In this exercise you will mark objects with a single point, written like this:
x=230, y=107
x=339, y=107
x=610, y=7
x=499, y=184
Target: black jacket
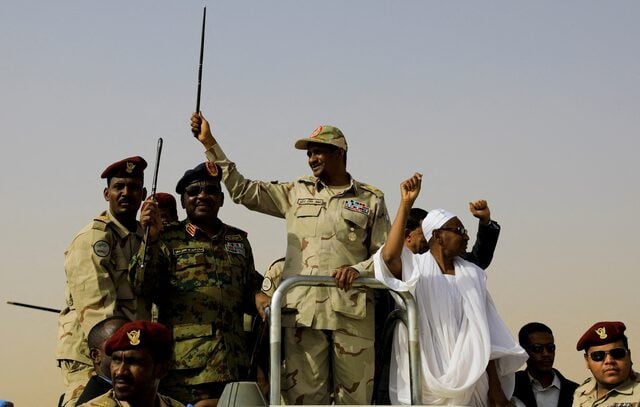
x=524, y=392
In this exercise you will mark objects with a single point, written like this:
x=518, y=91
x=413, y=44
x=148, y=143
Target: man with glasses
x=206, y=282
x=607, y=355
x=468, y=354
x=540, y=385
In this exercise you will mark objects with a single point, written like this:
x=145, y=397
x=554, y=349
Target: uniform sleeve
x=150, y=281
x=378, y=236
x=253, y=282
x=486, y=242
x=266, y=197
x=88, y=268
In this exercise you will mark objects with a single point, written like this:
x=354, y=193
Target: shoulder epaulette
x=587, y=380
x=372, y=189
x=276, y=261
x=308, y=179
x=101, y=222
x=234, y=230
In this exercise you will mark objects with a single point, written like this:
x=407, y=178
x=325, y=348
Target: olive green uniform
x=109, y=400
x=325, y=230
x=627, y=394
x=210, y=283
x=97, y=267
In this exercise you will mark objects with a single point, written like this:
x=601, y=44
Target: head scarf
x=434, y=220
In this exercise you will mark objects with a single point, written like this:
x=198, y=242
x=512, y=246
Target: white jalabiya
x=459, y=330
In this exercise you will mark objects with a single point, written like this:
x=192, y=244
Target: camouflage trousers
x=322, y=366
x=75, y=376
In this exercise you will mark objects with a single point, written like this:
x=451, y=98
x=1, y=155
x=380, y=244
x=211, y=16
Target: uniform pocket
x=193, y=345
x=307, y=219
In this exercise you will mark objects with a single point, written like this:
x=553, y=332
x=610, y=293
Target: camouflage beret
x=206, y=171
x=142, y=334
x=324, y=135
x=127, y=168
x=165, y=200
x=601, y=333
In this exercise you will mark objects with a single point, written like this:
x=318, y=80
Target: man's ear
x=162, y=368
x=105, y=193
x=182, y=199
x=95, y=355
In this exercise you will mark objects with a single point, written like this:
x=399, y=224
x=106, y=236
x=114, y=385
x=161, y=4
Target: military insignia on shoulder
x=356, y=206
x=601, y=332
x=130, y=167
x=233, y=238
x=235, y=248
x=101, y=248
x=373, y=190
x=134, y=337
x=266, y=284
x=191, y=229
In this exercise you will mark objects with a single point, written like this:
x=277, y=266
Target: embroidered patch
x=101, y=248
x=266, y=284
x=310, y=201
x=191, y=229
x=233, y=238
x=236, y=248
x=316, y=132
x=357, y=206
x=188, y=250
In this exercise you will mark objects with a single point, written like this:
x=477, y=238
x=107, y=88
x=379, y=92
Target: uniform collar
x=625, y=387
x=319, y=185
x=120, y=228
x=196, y=231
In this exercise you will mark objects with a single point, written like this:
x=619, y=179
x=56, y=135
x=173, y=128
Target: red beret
x=165, y=200
x=142, y=334
x=601, y=333
x=129, y=167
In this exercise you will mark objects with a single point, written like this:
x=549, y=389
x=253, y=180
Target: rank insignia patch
x=134, y=337
x=357, y=206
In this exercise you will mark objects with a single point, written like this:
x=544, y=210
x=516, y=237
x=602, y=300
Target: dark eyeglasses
x=599, y=355
x=460, y=230
x=537, y=348
x=208, y=189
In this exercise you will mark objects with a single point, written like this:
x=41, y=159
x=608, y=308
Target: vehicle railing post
x=275, y=332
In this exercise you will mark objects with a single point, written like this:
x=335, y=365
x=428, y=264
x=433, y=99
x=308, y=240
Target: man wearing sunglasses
x=206, y=282
x=607, y=355
x=540, y=385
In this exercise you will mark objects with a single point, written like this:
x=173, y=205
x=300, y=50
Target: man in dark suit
x=540, y=385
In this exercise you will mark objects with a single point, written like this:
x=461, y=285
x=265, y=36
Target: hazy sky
x=533, y=106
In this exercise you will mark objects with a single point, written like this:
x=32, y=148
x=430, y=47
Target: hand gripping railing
x=275, y=333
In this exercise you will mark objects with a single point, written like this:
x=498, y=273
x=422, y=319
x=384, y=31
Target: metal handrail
x=275, y=333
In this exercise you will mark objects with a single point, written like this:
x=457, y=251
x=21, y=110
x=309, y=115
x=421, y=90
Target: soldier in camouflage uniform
x=334, y=225
x=97, y=266
x=209, y=282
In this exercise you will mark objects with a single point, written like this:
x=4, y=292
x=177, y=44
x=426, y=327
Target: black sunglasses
x=460, y=230
x=616, y=353
x=208, y=189
x=537, y=348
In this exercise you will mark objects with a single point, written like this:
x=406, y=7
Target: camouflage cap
x=324, y=135
x=142, y=334
x=601, y=333
x=206, y=171
x=131, y=167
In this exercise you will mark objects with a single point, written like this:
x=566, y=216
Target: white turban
x=434, y=220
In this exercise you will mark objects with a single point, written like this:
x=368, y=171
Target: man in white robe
x=467, y=354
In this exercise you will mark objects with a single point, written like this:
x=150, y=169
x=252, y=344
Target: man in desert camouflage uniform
x=210, y=281
x=334, y=225
x=98, y=271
